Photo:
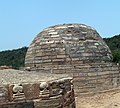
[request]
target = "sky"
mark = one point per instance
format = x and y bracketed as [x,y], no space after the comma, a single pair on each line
[22,20]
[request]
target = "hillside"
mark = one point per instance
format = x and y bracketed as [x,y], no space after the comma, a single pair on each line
[16,57]
[114,45]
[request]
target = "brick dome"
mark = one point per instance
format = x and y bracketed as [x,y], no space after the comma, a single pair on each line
[67,44]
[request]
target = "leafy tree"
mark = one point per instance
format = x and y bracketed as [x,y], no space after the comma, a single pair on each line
[116,56]
[14,58]
[114,45]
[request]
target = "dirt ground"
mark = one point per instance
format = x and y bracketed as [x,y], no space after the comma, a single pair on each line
[109,99]
[11,76]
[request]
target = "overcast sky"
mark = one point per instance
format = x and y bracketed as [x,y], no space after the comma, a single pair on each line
[22,20]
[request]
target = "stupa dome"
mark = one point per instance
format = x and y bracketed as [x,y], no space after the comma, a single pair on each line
[67,44]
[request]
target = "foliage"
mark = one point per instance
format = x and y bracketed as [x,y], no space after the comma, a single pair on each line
[14,58]
[114,45]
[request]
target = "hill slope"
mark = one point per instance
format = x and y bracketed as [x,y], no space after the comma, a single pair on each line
[14,58]
[114,45]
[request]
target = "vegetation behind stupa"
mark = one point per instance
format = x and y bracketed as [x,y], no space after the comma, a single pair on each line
[114,45]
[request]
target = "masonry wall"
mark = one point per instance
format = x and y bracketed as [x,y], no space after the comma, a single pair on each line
[90,78]
[96,78]
[52,94]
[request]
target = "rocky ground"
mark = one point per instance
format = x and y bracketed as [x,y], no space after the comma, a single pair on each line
[109,99]
[11,76]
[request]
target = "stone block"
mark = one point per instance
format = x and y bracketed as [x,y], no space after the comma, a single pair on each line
[52,102]
[46,61]
[31,91]
[4,91]
[44,90]
[29,104]
[18,94]
[53,33]
[56,60]
[54,36]
[61,56]
[10,94]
